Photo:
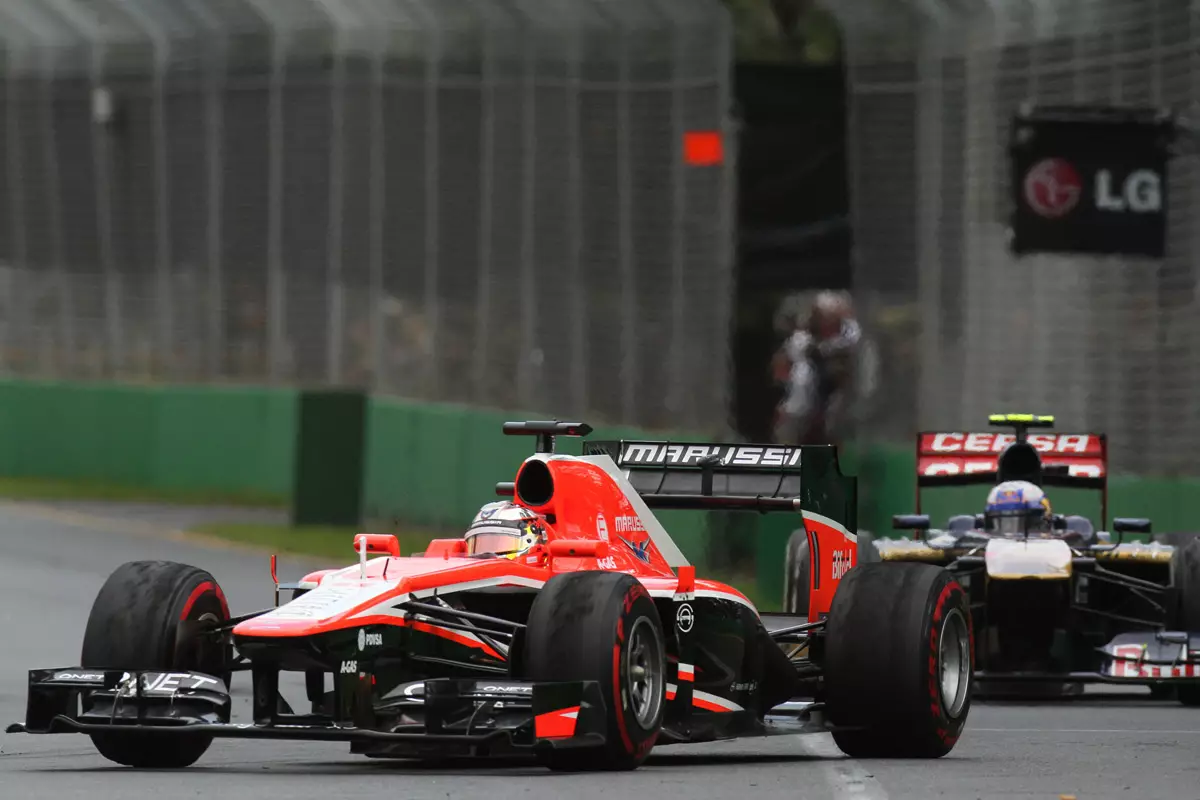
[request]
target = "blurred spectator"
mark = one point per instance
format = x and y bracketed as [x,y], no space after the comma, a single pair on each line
[821,367]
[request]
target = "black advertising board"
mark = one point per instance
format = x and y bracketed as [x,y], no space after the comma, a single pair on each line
[1090,180]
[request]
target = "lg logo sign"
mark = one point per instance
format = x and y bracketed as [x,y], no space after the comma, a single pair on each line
[1053,187]
[1141,194]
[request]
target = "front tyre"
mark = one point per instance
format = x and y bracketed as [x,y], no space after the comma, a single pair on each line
[134,625]
[899,661]
[1185,569]
[603,627]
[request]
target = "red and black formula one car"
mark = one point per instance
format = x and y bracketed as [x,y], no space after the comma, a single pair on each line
[565,623]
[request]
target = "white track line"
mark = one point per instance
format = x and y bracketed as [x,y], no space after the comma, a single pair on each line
[845,776]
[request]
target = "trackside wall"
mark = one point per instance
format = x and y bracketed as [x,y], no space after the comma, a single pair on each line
[227,440]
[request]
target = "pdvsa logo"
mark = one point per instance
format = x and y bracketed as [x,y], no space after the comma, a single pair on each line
[1052,188]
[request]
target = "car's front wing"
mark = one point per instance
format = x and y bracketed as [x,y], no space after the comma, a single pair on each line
[1152,656]
[458,716]
[1140,658]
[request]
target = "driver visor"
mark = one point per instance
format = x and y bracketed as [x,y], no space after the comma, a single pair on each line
[1016,522]
[498,541]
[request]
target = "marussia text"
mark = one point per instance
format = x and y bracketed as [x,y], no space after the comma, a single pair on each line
[649,454]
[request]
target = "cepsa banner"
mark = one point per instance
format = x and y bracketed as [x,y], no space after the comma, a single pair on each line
[961,453]
[1090,180]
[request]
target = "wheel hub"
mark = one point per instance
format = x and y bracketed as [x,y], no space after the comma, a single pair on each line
[954,663]
[644,667]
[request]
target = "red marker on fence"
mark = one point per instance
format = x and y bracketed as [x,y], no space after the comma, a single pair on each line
[703,148]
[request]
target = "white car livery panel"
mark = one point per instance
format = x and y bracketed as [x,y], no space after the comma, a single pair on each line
[1032,558]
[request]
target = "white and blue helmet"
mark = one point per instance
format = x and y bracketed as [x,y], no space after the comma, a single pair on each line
[1017,507]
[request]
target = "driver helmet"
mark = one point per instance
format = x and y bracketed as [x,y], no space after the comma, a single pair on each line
[1018,507]
[504,529]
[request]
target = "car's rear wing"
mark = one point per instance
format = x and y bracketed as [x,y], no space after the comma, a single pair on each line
[1071,460]
[717,475]
[958,459]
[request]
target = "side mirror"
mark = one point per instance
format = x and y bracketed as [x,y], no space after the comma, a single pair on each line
[910,522]
[1131,525]
[1059,522]
[378,543]
[578,548]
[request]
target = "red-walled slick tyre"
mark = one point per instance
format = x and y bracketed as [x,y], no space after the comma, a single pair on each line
[898,661]
[603,627]
[133,626]
[1185,573]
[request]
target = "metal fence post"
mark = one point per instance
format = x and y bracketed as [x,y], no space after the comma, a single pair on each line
[377,187]
[929,136]
[281,35]
[678,395]
[102,159]
[216,65]
[487,199]
[334,288]
[16,190]
[728,218]
[579,304]
[630,366]
[525,367]
[1192,342]
[432,86]
[164,272]
[65,309]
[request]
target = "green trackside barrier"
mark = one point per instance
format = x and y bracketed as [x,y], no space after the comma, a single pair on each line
[235,441]
[330,444]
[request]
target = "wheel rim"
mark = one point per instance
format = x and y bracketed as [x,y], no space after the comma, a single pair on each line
[954,663]
[644,666]
[207,657]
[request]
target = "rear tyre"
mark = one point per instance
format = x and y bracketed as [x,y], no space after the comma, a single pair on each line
[603,627]
[1185,568]
[796,574]
[132,626]
[898,661]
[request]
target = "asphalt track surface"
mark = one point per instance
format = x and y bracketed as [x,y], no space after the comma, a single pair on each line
[52,563]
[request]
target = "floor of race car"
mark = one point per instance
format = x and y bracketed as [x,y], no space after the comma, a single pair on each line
[1108,743]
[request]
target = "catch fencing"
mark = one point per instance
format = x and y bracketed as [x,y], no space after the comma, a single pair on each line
[966,328]
[477,201]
